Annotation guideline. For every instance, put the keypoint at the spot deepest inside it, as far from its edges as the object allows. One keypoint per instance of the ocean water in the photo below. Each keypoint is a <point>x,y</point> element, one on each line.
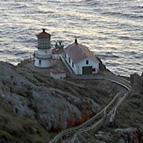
<point>111,29</point>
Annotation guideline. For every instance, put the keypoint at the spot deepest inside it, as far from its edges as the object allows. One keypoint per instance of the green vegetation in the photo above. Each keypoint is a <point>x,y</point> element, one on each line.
<point>14,128</point>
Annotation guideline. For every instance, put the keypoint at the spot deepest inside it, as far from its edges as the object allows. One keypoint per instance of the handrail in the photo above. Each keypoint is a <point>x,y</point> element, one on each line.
<point>86,124</point>
<point>97,115</point>
<point>46,56</point>
<point>101,120</point>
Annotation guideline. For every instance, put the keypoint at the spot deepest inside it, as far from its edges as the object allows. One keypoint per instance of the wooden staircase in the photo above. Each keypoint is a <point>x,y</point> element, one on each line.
<point>81,133</point>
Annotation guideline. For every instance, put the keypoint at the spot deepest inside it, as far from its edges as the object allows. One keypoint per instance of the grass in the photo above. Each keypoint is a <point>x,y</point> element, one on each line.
<point>16,128</point>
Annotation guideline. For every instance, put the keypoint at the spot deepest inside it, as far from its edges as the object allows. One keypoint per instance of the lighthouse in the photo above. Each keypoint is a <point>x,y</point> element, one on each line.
<point>43,56</point>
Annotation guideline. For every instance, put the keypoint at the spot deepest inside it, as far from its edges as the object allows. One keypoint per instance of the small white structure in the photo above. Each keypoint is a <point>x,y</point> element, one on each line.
<point>81,60</point>
<point>57,53</point>
<point>43,57</point>
<point>58,73</point>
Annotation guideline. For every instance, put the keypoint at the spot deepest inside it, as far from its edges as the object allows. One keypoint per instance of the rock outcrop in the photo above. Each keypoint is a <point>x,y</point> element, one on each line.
<point>102,67</point>
<point>125,135</point>
<point>137,83</point>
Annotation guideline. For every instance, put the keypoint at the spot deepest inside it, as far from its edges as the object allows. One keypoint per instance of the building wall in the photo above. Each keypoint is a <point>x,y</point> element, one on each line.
<point>56,56</point>
<point>43,63</point>
<point>82,64</point>
<point>71,63</point>
<point>44,52</point>
<point>77,68</point>
<point>58,76</point>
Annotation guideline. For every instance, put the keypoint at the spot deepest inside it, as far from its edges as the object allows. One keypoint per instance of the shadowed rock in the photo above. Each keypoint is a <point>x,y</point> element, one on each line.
<point>137,83</point>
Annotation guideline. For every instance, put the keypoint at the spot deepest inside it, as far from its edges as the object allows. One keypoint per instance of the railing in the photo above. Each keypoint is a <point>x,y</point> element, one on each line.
<point>63,60</point>
<point>48,56</point>
<point>96,121</point>
<point>100,122</point>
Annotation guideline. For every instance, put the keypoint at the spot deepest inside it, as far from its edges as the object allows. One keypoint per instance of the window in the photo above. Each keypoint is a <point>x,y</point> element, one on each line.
<point>39,62</point>
<point>44,43</point>
<point>93,69</point>
<point>87,62</point>
<point>73,64</point>
<point>69,60</point>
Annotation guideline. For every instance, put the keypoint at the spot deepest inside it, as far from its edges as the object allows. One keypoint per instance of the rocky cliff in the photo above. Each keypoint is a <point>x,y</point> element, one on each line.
<point>128,126</point>
<point>34,106</point>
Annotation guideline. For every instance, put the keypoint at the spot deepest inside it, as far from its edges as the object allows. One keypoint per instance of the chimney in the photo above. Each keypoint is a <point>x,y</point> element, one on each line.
<point>43,30</point>
<point>76,41</point>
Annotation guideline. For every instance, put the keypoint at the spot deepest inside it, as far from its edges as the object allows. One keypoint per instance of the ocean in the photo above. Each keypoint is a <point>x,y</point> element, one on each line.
<point>111,29</point>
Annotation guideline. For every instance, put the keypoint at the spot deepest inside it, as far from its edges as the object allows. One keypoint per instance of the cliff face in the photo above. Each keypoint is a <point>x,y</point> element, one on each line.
<point>129,118</point>
<point>54,104</point>
<point>34,103</point>
<point>131,111</point>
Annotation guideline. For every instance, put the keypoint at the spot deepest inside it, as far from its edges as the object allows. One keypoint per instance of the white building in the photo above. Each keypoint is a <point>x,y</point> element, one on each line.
<point>43,57</point>
<point>81,60</point>
<point>58,73</point>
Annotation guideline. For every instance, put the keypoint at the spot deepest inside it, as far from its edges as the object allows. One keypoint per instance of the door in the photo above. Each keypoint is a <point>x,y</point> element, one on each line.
<point>87,70</point>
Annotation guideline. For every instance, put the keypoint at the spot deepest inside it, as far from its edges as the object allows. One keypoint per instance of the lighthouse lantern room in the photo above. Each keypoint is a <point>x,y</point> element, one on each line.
<point>43,56</point>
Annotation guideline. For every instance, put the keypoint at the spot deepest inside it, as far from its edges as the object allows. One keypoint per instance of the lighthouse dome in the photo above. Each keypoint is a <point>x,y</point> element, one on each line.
<point>44,41</point>
<point>43,34</point>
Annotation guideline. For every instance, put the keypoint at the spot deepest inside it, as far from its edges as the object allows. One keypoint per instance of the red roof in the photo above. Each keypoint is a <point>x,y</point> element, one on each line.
<point>78,52</point>
<point>57,50</point>
<point>57,71</point>
<point>44,34</point>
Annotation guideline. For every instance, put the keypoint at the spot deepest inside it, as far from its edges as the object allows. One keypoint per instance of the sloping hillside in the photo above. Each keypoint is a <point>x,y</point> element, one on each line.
<point>35,106</point>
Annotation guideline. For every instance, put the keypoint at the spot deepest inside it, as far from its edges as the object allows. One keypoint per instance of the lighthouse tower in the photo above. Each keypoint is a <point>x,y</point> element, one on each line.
<point>43,56</point>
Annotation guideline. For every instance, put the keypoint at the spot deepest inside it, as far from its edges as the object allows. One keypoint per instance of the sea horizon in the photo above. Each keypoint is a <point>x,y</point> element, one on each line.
<point>112,30</point>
